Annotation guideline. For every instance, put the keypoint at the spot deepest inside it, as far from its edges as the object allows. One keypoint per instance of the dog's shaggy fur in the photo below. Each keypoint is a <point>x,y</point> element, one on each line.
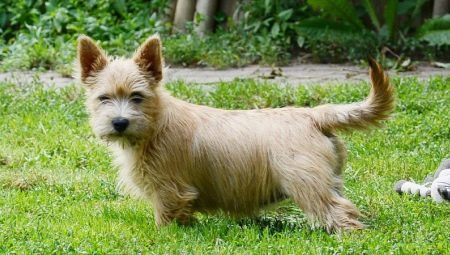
<point>186,158</point>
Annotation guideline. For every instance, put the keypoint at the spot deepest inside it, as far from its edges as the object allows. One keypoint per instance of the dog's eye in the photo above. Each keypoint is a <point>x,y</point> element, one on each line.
<point>103,98</point>
<point>137,98</point>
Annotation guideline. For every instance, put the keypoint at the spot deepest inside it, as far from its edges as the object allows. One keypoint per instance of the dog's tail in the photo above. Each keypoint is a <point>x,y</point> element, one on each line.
<point>378,106</point>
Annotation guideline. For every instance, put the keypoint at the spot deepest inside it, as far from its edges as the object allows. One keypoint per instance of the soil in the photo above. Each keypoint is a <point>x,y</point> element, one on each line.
<point>289,75</point>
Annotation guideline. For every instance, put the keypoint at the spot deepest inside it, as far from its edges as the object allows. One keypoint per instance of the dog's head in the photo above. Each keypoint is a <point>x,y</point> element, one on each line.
<point>122,94</point>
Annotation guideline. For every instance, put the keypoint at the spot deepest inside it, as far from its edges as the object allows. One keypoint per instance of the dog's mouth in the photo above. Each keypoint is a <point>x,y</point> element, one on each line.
<point>121,138</point>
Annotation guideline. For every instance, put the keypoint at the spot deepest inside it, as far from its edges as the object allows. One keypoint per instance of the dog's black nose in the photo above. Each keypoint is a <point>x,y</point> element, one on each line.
<point>120,124</point>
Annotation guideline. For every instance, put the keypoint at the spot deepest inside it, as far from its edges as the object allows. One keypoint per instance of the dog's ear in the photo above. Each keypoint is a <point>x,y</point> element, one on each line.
<point>149,57</point>
<point>91,58</point>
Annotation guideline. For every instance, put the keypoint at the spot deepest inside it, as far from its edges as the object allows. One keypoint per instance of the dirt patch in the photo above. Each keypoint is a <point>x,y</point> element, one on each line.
<point>22,182</point>
<point>288,75</point>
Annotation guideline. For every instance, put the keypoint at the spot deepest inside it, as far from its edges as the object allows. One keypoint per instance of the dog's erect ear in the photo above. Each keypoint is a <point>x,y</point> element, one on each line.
<point>149,57</point>
<point>91,58</point>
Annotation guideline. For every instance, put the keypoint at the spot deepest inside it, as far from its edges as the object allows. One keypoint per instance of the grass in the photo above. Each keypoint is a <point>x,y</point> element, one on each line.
<point>58,196</point>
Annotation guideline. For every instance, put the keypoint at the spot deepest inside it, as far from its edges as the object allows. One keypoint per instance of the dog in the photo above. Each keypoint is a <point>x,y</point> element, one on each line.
<point>186,158</point>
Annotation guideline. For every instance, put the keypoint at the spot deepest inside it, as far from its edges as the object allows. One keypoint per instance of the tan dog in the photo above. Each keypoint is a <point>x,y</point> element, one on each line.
<point>186,158</point>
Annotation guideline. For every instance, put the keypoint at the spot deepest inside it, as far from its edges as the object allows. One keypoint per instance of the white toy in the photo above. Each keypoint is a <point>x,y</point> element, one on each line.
<point>438,186</point>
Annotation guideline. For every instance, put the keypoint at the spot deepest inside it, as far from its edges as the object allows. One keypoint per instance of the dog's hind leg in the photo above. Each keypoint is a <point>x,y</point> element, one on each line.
<point>315,188</point>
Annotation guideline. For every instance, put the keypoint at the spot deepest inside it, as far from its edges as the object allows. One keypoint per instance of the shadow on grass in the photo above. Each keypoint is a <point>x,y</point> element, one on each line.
<point>275,224</point>
<point>286,219</point>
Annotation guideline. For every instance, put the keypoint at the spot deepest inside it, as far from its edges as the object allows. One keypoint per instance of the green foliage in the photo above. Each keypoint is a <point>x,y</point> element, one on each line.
<point>338,9</point>
<point>344,11</point>
<point>42,34</point>
<point>370,10</point>
<point>344,19</point>
<point>222,50</point>
<point>104,20</point>
<point>329,40</point>
<point>436,31</point>
<point>272,25</point>
<point>296,27</point>
<point>272,19</point>
<point>329,37</point>
<point>39,34</point>
<point>390,16</point>
<point>58,194</point>
<point>409,10</point>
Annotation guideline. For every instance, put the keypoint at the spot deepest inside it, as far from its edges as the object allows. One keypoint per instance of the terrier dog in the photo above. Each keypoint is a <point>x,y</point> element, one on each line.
<point>187,158</point>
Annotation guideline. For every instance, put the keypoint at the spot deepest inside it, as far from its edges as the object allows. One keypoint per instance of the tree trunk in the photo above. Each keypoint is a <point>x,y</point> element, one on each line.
<point>183,14</point>
<point>441,7</point>
<point>228,7</point>
<point>207,10</point>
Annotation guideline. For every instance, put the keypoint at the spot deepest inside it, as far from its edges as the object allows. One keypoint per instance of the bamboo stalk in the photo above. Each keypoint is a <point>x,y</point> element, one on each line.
<point>206,9</point>
<point>441,7</point>
<point>184,12</point>
<point>228,7</point>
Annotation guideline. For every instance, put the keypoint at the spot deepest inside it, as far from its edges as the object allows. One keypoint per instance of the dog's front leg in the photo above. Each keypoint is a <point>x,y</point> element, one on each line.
<point>173,204</point>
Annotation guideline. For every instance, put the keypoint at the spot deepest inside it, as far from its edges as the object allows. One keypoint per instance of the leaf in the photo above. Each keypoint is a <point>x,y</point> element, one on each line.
<point>436,31</point>
<point>300,41</point>
<point>406,63</point>
<point>267,6</point>
<point>440,23</point>
<point>120,7</point>
<point>275,30</point>
<point>333,30</point>
<point>390,15</point>
<point>325,24</point>
<point>411,8</point>
<point>286,14</point>
<point>417,9</point>
<point>338,9</point>
<point>368,6</point>
<point>441,65</point>
<point>437,37</point>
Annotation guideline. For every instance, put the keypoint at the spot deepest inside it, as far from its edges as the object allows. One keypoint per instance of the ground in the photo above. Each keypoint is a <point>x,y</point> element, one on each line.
<point>292,75</point>
<point>58,187</point>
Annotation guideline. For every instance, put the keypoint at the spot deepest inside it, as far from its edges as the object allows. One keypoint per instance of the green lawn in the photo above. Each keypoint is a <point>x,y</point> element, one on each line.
<point>57,185</point>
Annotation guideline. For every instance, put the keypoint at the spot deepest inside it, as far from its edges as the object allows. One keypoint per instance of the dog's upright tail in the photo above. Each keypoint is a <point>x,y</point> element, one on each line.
<point>378,106</point>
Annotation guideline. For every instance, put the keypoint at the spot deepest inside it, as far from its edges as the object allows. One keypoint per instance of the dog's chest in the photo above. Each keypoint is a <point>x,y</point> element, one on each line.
<point>134,177</point>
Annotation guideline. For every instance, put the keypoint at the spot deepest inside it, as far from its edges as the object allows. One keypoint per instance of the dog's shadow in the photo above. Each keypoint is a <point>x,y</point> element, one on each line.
<point>275,224</point>
<point>285,218</point>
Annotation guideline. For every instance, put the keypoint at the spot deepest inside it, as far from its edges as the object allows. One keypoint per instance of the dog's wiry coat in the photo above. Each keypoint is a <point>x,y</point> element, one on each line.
<point>186,158</point>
